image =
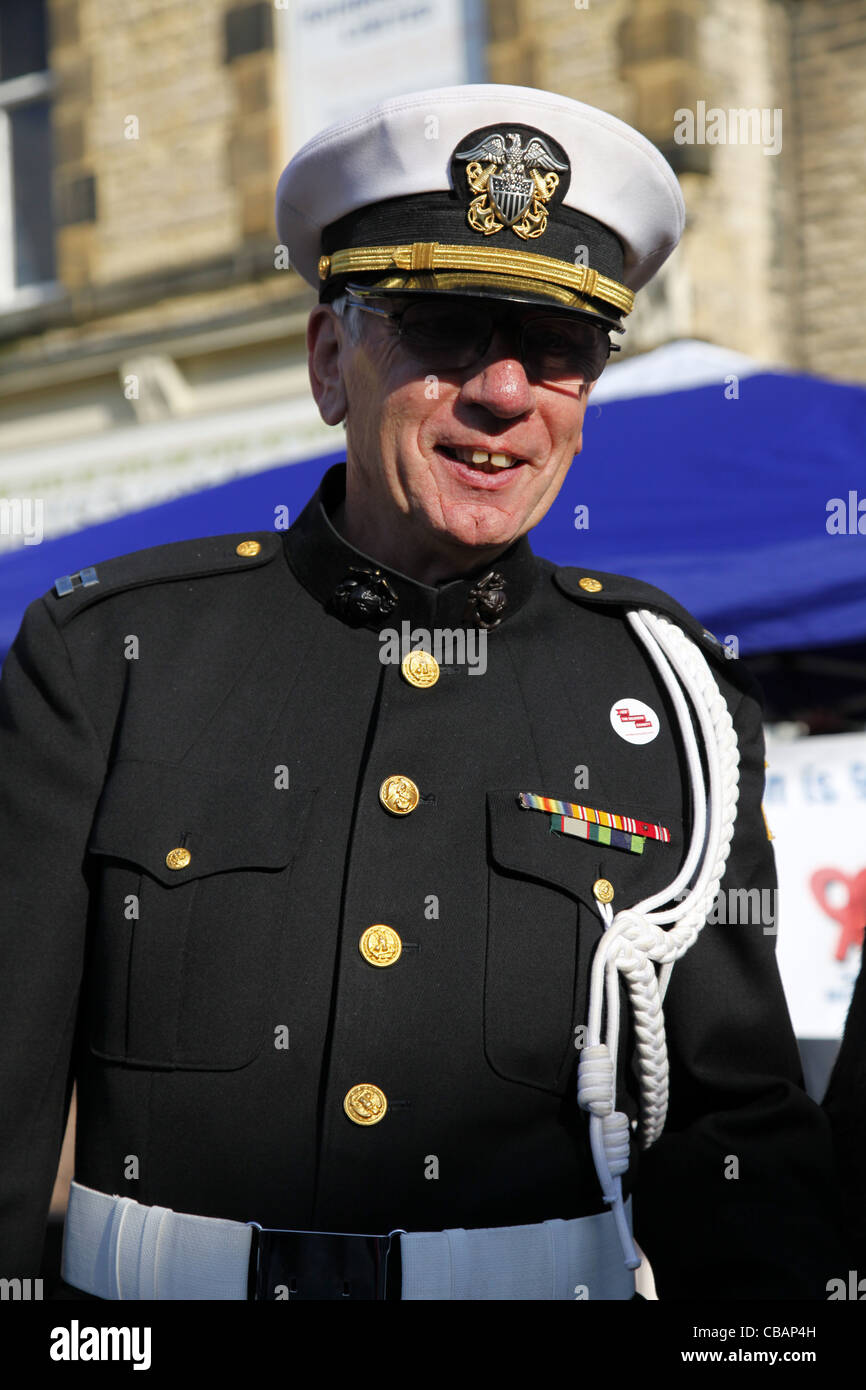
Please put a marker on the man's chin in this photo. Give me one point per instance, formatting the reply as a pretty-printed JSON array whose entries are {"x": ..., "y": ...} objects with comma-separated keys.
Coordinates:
[
  {"x": 486, "y": 517},
  {"x": 473, "y": 529}
]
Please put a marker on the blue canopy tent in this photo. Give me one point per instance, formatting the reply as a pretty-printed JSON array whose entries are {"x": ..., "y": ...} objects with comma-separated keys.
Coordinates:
[{"x": 717, "y": 494}]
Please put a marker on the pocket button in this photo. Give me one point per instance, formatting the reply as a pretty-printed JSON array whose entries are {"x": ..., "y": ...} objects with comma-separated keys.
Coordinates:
[
  {"x": 603, "y": 890},
  {"x": 380, "y": 945}
]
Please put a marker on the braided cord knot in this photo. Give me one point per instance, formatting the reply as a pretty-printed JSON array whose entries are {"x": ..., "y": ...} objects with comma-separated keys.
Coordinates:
[{"x": 595, "y": 1082}]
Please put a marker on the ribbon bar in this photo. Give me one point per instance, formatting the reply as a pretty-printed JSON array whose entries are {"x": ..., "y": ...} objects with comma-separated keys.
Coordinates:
[
  {"x": 611, "y": 820},
  {"x": 601, "y": 834}
]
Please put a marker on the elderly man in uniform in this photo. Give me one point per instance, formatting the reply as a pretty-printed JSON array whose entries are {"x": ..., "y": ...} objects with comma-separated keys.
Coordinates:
[{"x": 368, "y": 903}]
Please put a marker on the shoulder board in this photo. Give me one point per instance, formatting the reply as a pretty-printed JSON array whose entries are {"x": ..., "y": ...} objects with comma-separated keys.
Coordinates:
[
  {"x": 599, "y": 589},
  {"x": 194, "y": 559}
]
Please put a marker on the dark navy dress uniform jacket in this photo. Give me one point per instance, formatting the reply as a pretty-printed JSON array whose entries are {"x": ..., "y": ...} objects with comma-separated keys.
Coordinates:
[{"x": 252, "y": 724}]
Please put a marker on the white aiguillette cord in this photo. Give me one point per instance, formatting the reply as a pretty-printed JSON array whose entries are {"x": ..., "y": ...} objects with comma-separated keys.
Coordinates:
[{"x": 635, "y": 942}]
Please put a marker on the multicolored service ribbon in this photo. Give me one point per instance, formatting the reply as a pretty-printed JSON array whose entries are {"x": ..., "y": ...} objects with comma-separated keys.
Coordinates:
[
  {"x": 601, "y": 834},
  {"x": 609, "y": 820}
]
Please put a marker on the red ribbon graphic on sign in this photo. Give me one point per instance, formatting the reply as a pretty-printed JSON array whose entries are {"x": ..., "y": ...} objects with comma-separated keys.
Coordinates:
[{"x": 852, "y": 915}]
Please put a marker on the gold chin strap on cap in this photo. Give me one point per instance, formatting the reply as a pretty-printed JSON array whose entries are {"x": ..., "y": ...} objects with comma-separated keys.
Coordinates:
[{"x": 434, "y": 255}]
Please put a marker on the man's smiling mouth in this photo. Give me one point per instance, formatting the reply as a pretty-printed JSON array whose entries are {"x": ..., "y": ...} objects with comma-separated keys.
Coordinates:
[{"x": 481, "y": 459}]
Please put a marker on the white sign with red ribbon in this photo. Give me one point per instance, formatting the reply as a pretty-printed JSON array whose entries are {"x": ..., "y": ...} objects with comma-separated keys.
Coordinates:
[{"x": 815, "y": 803}]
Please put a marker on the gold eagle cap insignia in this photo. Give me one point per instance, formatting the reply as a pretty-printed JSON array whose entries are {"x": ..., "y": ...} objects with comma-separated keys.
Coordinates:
[{"x": 512, "y": 183}]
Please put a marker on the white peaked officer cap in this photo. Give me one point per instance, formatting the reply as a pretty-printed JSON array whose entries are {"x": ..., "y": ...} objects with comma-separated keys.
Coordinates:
[{"x": 504, "y": 192}]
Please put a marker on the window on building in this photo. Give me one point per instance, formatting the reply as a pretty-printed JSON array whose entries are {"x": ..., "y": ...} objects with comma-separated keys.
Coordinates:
[{"x": 26, "y": 219}]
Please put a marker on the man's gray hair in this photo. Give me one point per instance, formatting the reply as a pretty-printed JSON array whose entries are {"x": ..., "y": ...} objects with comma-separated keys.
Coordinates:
[{"x": 350, "y": 315}]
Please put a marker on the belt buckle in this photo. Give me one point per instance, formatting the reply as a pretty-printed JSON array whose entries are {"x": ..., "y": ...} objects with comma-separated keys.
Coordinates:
[{"x": 292, "y": 1265}]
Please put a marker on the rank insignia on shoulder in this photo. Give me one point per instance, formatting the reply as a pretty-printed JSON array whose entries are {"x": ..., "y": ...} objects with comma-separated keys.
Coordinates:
[
  {"x": 770, "y": 835},
  {"x": 604, "y": 827},
  {"x": 67, "y": 584}
]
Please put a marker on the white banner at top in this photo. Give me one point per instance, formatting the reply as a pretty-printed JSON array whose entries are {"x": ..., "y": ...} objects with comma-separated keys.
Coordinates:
[
  {"x": 345, "y": 55},
  {"x": 815, "y": 803}
]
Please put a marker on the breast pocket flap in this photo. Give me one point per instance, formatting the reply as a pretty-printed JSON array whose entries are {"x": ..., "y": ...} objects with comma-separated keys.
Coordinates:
[
  {"x": 523, "y": 842},
  {"x": 179, "y": 823}
]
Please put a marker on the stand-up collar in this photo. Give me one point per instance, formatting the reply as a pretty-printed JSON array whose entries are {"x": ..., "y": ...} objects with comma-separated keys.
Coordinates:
[{"x": 364, "y": 593}]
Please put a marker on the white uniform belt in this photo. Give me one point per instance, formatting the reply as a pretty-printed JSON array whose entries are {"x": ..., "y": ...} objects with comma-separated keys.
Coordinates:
[{"x": 116, "y": 1248}]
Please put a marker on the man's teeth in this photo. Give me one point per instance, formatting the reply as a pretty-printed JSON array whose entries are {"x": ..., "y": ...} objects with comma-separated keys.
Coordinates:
[{"x": 478, "y": 456}]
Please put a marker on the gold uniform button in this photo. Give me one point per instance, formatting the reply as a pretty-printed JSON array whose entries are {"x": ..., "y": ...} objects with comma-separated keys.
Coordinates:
[
  {"x": 420, "y": 669},
  {"x": 592, "y": 586},
  {"x": 365, "y": 1104},
  {"x": 398, "y": 794},
  {"x": 380, "y": 945},
  {"x": 603, "y": 890},
  {"x": 178, "y": 858},
  {"x": 248, "y": 548}
]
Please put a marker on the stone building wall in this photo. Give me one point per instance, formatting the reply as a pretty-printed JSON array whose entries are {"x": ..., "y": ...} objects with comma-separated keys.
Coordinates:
[
  {"x": 173, "y": 229},
  {"x": 771, "y": 260},
  {"x": 828, "y": 87},
  {"x": 166, "y": 133}
]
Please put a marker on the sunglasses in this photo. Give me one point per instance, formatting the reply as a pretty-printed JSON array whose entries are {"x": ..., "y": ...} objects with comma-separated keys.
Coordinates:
[{"x": 450, "y": 336}]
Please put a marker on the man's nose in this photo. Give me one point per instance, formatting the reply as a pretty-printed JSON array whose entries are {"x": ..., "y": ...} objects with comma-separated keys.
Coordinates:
[{"x": 499, "y": 381}]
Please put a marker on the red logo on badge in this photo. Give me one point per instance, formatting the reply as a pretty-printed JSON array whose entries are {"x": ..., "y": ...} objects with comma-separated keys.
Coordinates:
[
  {"x": 640, "y": 721},
  {"x": 633, "y": 720}
]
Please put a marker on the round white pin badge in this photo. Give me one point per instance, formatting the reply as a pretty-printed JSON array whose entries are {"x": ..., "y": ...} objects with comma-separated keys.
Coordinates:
[{"x": 634, "y": 721}]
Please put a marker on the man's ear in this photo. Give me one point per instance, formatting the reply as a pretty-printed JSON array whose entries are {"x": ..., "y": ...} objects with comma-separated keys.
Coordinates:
[{"x": 324, "y": 341}]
